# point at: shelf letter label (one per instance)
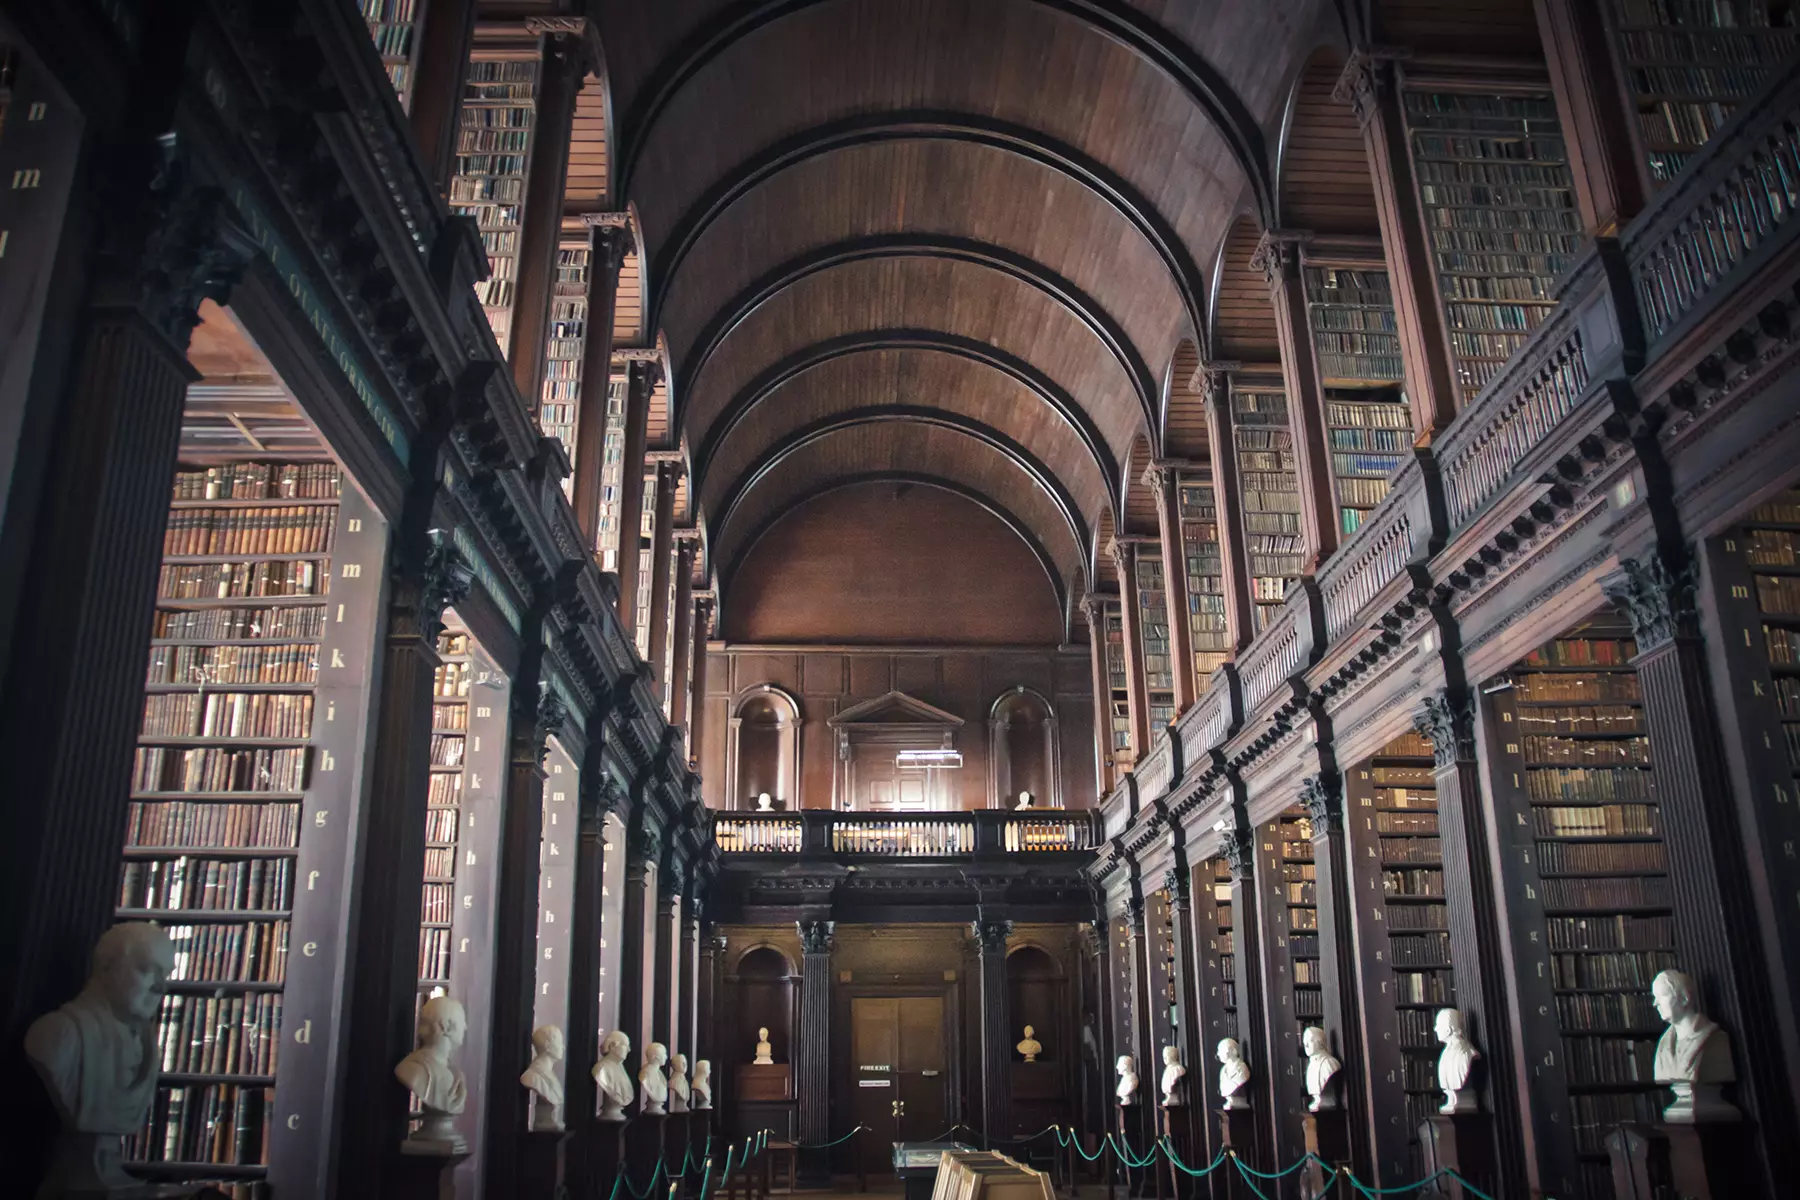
(319, 818)
(311, 949)
(303, 1035)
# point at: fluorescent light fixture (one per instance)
(922, 760)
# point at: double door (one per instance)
(900, 1087)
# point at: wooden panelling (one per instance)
(586, 187)
(1244, 323)
(886, 563)
(1499, 28)
(871, 675)
(822, 674)
(1140, 501)
(782, 670)
(1106, 576)
(1184, 429)
(1325, 185)
(628, 313)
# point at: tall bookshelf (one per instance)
(561, 399)
(612, 472)
(1274, 546)
(1159, 661)
(1218, 1006)
(1209, 628)
(443, 813)
(236, 744)
(493, 152)
(1499, 207)
(646, 563)
(1118, 684)
(1597, 875)
(1355, 337)
(558, 848)
(1690, 63)
(392, 24)
(1287, 887)
(1397, 863)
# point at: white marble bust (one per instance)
(98, 1059)
(1172, 1075)
(1321, 1068)
(1694, 1055)
(678, 1083)
(611, 1077)
(765, 1053)
(702, 1086)
(1456, 1061)
(765, 802)
(429, 1075)
(1024, 801)
(652, 1079)
(1234, 1073)
(1029, 1048)
(542, 1080)
(1128, 1080)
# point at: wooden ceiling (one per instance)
(937, 241)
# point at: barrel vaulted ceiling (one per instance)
(939, 240)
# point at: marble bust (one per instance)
(652, 1079)
(1029, 1048)
(1694, 1055)
(1234, 1073)
(1128, 1080)
(765, 802)
(1321, 1068)
(678, 1083)
(765, 1053)
(702, 1086)
(1024, 800)
(1171, 1077)
(1455, 1062)
(610, 1075)
(439, 1085)
(98, 1058)
(540, 1078)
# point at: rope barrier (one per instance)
(840, 1141)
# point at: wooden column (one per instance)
(640, 382)
(1368, 85)
(687, 980)
(1611, 182)
(1478, 948)
(706, 1034)
(666, 991)
(1713, 907)
(1278, 254)
(1094, 608)
(995, 1051)
(1322, 797)
(1228, 501)
(564, 61)
(637, 957)
(683, 632)
(446, 33)
(1140, 1118)
(390, 867)
(668, 472)
(812, 1053)
(1164, 481)
(696, 742)
(580, 1096)
(1124, 555)
(1255, 1037)
(1177, 882)
(607, 239)
(536, 713)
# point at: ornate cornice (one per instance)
(990, 935)
(445, 580)
(1448, 720)
(1658, 601)
(1322, 797)
(816, 937)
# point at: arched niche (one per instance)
(1024, 748)
(765, 1000)
(763, 749)
(1037, 994)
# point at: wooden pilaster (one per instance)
(607, 238)
(1094, 608)
(1124, 555)
(683, 632)
(445, 34)
(1228, 501)
(996, 1042)
(1255, 1037)
(1278, 254)
(1611, 184)
(696, 739)
(662, 536)
(1164, 481)
(664, 953)
(564, 62)
(812, 1057)
(640, 382)
(580, 1101)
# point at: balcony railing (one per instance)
(904, 835)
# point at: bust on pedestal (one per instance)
(678, 1083)
(1456, 1061)
(1694, 1055)
(652, 1079)
(1128, 1080)
(1172, 1075)
(765, 1053)
(1029, 1048)
(1321, 1068)
(702, 1086)
(98, 1059)
(540, 1078)
(437, 1083)
(1234, 1074)
(614, 1082)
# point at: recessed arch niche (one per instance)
(1023, 750)
(763, 748)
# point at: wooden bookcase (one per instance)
(1275, 548)
(1118, 683)
(560, 402)
(1165, 998)
(240, 818)
(1398, 891)
(556, 886)
(493, 154)
(646, 569)
(392, 24)
(612, 920)
(1292, 979)
(1590, 894)
(1218, 959)
(612, 472)
(1153, 618)
(1209, 627)
(1499, 208)
(1688, 64)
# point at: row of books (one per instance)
(492, 164)
(261, 481)
(1625, 891)
(1610, 931)
(1306, 971)
(1280, 530)
(1367, 286)
(1417, 1032)
(1682, 124)
(1497, 346)
(445, 788)
(276, 623)
(219, 1123)
(440, 826)
(1779, 594)
(1608, 1060)
(1417, 918)
(506, 139)
(1514, 288)
(1516, 182)
(1787, 695)
(440, 862)
(240, 952)
(228, 714)
(1406, 822)
(1783, 646)
(447, 750)
(1618, 969)
(1413, 881)
(1397, 777)
(1611, 687)
(1772, 547)
(221, 826)
(1606, 1012)
(435, 904)
(220, 1035)
(489, 201)
(1791, 734)
(1420, 950)
(1363, 493)
(453, 679)
(1584, 652)
(298, 529)
(1616, 719)
(1558, 858)
(208, 884)
(1596, 820)
(497, 242)
(1730, 47)
(1598, 1114)
(1540, 749)
(1382, 439)
(1422, 987)
(1369, 319)
(1376, 367)
(1411, 850)
(218, 769)
(230, 581)
(434, 954)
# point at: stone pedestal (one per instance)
(425, 1176)
(1237, 1136)
(1178, 1127)
(604, 1154)
(1460, 1142)
(675, 1148)
(543, 1164)
(643, 1147)
(1327, 1135)
(1712, 1160)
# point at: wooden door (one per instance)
(897, 1073)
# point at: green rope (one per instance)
(1304, 1159)
(1022, 1141)
(1075, 1141)
(1175, 1161)
(1248, 1181)
(1366, 1190)
(840, 1141)
(648, 1187)
(1126, 1156)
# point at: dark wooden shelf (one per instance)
(201, 916)
(199, 1170)
(190, 560)
(263, 503)
(210, 1077)
(277, 641)
(194, 739)
(158, 689)
(217, 797)
(202, 985)
(210, 852)
(309, 599)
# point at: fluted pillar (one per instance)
(682, 635)
(1278, 255)
(563, 55)
(1228, 502)
(580, 1098)
(696, 740)
(640, 382)
(1164, 481)
(608, 236)
(1124, 555)
(996, 1024)
(1093, 607)
(812, 1054)
(668, 475)
(1322, 797)
(445, 34)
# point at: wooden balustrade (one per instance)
(903, 835)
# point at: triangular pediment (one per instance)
(896, 708)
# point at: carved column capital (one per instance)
(445, 578)
(1134, 916)
(1277, 255)
(1215, 382)
(1449, 722)
(1238, 845)
(644, 845)
(1161, 477)
(990, 935)
(1122, 552)
(1323, 799)
(1175, 882)
(1658, 601)
(609, 239)
(816, 937)
(538, 722)
(1093, 607)
(1366, 79)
